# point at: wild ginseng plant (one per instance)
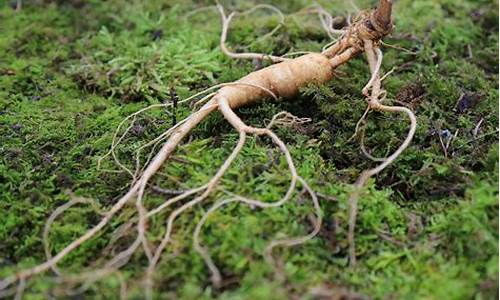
(284, 78)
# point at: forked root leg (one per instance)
(241, 127)
(374, 57)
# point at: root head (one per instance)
(382, 15)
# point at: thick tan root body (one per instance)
(283, 79)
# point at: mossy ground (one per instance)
(70, 71)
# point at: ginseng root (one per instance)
(283, 79)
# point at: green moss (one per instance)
(428, 225)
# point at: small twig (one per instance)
(327, 197)
(449, 139)
(170, 192)
(476, 129)
(479, 137)
(469, 51)
(175, 99)
(388, 237)
(443, 146)
(448, 143)
(399, 48)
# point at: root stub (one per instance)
(281, 80)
